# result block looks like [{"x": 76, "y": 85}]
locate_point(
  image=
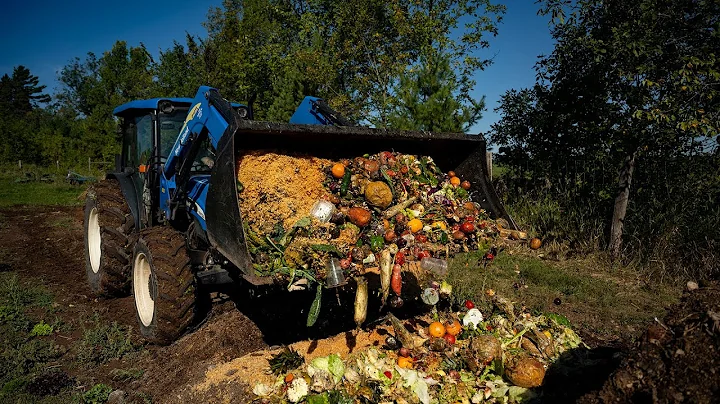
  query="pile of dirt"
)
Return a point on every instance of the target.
[
  {"x": 172, "y": 371},
  {"x": 676, "y": 360}
]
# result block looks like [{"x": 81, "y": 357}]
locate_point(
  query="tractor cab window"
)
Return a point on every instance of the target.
[
  {"x": 170, "y": 125},
  {"x": 205, "y": 159},
  {"x": 137, "y": 142}
]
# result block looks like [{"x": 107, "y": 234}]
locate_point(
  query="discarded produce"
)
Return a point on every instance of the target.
[
  {"x": 436, "y": 329},
  {"x": 535, "y": 243},
  {"x": 312, "y": 223},
  {"x": 496, "y": 360}
]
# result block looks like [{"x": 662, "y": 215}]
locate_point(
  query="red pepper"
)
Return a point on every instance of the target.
[
  {"x": 400, "y": 258},
  {"x": 469, "y": 304},
  {"x": 388, "y": 374}
]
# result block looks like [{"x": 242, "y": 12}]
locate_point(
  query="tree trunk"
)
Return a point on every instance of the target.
[{"x": 621, "y": 203}]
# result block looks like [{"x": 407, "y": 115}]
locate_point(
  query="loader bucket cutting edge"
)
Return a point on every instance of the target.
[{"x": 464, "y": 154}]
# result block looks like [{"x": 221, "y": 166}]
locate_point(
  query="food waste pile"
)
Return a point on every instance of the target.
[
  {"x": 317, "y": 223},
  {"x": 462, "y": 356}
]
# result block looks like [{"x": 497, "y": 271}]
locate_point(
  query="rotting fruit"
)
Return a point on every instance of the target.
[
  {"x": 454, "y": 328},
  {"x": 415, "y": 225},
  {"x": 535, "y": 243},
  {"x": 338, "y": 170},
  {"x": 436, "y": 329},
  {"x": 405, "y": 362}
]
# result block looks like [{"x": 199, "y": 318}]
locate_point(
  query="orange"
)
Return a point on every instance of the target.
[
  {"x": 455, "y": 181},
  {"x": 454, "y": 328},
  {"x": 338, "y": 170},
  {"x": 415, "y": 225},
  {"x": 405, "y": 362},
  {"x": 436, "y": 329}
]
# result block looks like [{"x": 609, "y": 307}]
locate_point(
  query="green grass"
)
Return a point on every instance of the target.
[
  {"x": 38, "y": 193},
  {"x": 594, "y": 296}
]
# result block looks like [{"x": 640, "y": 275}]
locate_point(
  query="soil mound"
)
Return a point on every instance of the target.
[{"x": 676, "y": 360}]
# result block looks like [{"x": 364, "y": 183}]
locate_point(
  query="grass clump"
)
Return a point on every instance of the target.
[{"x": 124, "y": 375}]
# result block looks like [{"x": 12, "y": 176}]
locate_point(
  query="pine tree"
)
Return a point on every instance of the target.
[{"x": 426, "y": 99}]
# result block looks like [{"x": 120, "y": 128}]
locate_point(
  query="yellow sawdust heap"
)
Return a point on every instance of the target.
[{"x": 279, "y": 188}]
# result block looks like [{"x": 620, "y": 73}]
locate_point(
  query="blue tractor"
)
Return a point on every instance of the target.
[{"x": 167, "y": 219}]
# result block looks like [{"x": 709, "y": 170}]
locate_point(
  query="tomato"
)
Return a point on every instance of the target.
[
  {"x": 451, "y": 174},
  {"x": 469, "y": 304},
  {"x": 421, "y": 238},
  {"x": 470, "y": 219},
  {"x": 450, "y": 339},
  {"x": 423, "y": 254},
  {"x": 338, "y": 170},
  {"x": 390, "y": 173},
  {"x": 489, "y": 256},
  {"x": 467, "y": 227},
  {"x": 465, "y": 185},
  {"x": 436, "y": 329},
  {"x": 388, "y": 374}
]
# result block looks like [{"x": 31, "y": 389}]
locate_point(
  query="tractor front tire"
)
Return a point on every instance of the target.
[
  {"x": 108, "y": 229},
  {"x": 163, "y": 285}
]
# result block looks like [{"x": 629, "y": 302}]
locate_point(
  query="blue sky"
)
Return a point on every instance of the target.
[{"x": 45, "y": 35}]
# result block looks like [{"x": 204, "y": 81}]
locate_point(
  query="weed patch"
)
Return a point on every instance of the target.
[
  {"x": 104, "y": 342},
  {"x": 41, "y": 330},
  {"x": 98, "y": 394}
]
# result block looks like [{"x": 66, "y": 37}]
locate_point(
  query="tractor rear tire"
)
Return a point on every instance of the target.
[
  {"x": 108, "y": 230},
  {"x": 163, "y": 285}
]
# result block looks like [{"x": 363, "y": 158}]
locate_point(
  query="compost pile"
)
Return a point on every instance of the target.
[
  {"x": 444, "y": 357},
  {"x": 311, "y": 221}
]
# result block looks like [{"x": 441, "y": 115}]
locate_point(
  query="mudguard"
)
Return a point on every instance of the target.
[{"x": 130, "y": 193}]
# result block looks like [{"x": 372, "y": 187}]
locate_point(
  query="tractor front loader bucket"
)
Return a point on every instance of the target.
[{"x": 464, "y": 154}]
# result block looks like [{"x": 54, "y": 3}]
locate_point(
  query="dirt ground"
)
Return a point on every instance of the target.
[{"x": 218, "y": 361}]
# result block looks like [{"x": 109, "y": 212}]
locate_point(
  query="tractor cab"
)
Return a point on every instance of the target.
[{"x": 149, "y": 130}]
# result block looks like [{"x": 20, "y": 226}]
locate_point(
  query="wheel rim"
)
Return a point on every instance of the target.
[
  {"x": 144, "y": 288},
  {"x": 94, "y": 239}
]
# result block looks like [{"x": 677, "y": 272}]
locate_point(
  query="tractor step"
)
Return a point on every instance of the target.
[{"x": 214, "y": 276}]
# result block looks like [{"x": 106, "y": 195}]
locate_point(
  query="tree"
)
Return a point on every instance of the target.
[
  {"x": 427, "y": 99},
  {"x": 21, "y": 93},
  {"x": 626, "y": 81}
]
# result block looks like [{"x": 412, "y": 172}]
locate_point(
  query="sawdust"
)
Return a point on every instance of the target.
[
  {"x": 253, "y": 368},
  {"x": 279, "y": 188}
]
